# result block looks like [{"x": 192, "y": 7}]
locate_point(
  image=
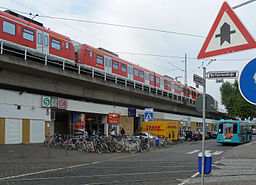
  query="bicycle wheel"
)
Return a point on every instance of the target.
[
  {"x": 133, "y": 148},
  {"x": 119, "y": 147},
  {"x": 144, "y": 147},
  {"x": 99, "y": 148},
  {"x": 111, "y": 148}
]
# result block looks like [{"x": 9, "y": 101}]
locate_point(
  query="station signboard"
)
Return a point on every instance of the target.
[{"x": 113, "y": 118}]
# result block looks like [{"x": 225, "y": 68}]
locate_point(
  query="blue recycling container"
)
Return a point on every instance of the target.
[
  {"x": 207, "y": 163},
  {"x": 157, "y": 142}
]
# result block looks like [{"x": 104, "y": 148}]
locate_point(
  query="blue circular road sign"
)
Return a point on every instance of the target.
[{"x": 247, "y": 82}]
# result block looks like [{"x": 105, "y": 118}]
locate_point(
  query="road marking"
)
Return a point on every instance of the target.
[
  {"x": 63, "y": 168},
  {"x": 217, "y": 152},
  {"x": 196, "y": 174},
  {"x": 194, "y": 151}
]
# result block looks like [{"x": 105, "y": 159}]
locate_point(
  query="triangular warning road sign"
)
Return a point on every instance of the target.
[{"x": 227, "y": 35}]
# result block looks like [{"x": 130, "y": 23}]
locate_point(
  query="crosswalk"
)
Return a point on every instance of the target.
[{"x": 208, "y": 151}]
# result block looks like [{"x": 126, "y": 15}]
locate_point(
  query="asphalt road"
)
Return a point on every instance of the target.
[{"x": 160, "y": 166}]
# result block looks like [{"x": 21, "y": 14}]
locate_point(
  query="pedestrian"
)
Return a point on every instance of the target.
[
  {"x": 122, "y": 132},
  {"x": 113, "y": 132}
]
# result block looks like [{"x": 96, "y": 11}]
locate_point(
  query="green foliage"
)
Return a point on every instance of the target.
[{"x": 235, "y": 104}]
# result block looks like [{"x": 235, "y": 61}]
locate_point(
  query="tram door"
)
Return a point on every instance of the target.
[
  {"x": 146, "y": 78},
  {"x": 42, "y": 42},
  {"x": 108, "y": 64},
  {"x": 130, "y": 72}
]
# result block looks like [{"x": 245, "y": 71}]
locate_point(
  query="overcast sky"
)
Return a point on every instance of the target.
[{"x": 184, "y": 16}]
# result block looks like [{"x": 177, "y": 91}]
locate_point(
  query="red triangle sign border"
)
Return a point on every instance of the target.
[{"x": 251, "y": 42}]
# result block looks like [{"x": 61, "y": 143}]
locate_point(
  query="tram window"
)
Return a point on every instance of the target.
[
  {"x": 46, "y": 40},
  {"x": 142, "y": 74},
  {"x": 235, "y": 128},
  {"x": 39, "y": 37},
  {"x": 106, "y": 61},
  {"x": 99, "y": 59},
  {"x": 67, "y": 45},
  {"x": 28, "y": 34},
  {"x": 136, "y": 72},
  {"x": 56, "y": 44},
  {"x": 9, "y": 28},
  {"x": 124, "y": 68},
  {"x": 128, "y": 69},
  {"x": 220, "y": 128},
  {"x": 151, "y": 78},
  {"x": 165, "y": 83},
  {"x": 176, "y": 87},
  {"x": 157, "y": 80},
  {"x": 115, "y": 65},
  {"x": 147, "y": 76},
  {"x": 109, "y": 62},
  {"x": 169, "y": 84}
]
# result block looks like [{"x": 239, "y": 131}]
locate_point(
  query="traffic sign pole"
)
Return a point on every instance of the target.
[{"x": 203, "y": 136}]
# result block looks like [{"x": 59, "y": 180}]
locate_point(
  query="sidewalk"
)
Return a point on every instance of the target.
[{"x": 236, "y": 167}]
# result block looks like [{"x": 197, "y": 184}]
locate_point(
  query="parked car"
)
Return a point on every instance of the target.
[
  {"x": 145, "y": 135},
  {"x": 200, "y": 135},
  {"x": 213, "y": 134},
  {"x": 188, "y": 135},
  {"x": 195, "y": 135}
]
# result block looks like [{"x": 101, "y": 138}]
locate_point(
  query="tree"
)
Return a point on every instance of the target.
[{"x": 235, "y": 104}]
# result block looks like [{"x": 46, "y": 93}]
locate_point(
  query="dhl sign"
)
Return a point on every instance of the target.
[
  {"x": 168, "y": 129},
  {"x": 154, "y": 128}
]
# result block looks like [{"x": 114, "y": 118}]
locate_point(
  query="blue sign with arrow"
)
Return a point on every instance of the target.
[
  {"x": 247, "y": 82},
  {"x": 148, "y": 116}
]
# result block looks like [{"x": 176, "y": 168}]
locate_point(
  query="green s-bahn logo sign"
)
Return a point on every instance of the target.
[{"x": 46, "y": 101}]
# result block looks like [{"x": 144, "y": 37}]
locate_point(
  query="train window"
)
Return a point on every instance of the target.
[
  {"x": 151, "y": 78},
  {"x": 56, "y": 44},
  {"x": 179, "y": 89},
  {"x": 39, "y": 38},
  {"x": 106, "y": 61},
  {"x": 131, "y": 70},
  {"x": 46, "y": 40},
  {"x": 109, "y": 62},
  {"x": 142, "y": 74},
  {"x": 161, "y": 81},
  {"x": 176, "y": 87},
  {"x": 157, "y": 80},
  {"x": 128, "y": 69},
  {"x": 169, "y": 84},
  {"x": 124, "y": 68},
  {"x": 99, "y": 59},
  {"x": 115, "y": 65},
  {"x": 165, "y": 83},
  {"x": 91, "y": 53},
  {"x": 9, "y": 28},
  {"x": 147, "y": 76},
  {"x": 28, "y": 34},
  {"x": 67, "y": 45},
  {"x": 136, "y": 72},
  {"x": 172, "y": 85}
]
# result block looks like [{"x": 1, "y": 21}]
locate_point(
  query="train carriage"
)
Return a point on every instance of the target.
[{"x": 30, "y": 36}]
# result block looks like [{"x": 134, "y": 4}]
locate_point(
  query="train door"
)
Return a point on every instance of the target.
[
  {"x": 146, "y": 78},
  {"x": 130, "y": 72},
  {"x": 42, "y": 42},
  {"x": 108, "y": 64}
]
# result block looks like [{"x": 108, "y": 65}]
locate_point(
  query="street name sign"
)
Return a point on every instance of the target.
[
  {"x": 227, "y": 35},
  {"x": 222, "y": 74},
  {"x": 247, "y": 82},
  {"x": 148, "y": 116},
  {"x": 198, "y": 80}
]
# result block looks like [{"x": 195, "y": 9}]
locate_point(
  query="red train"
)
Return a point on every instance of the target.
[{"x": 26, "y": 34}]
